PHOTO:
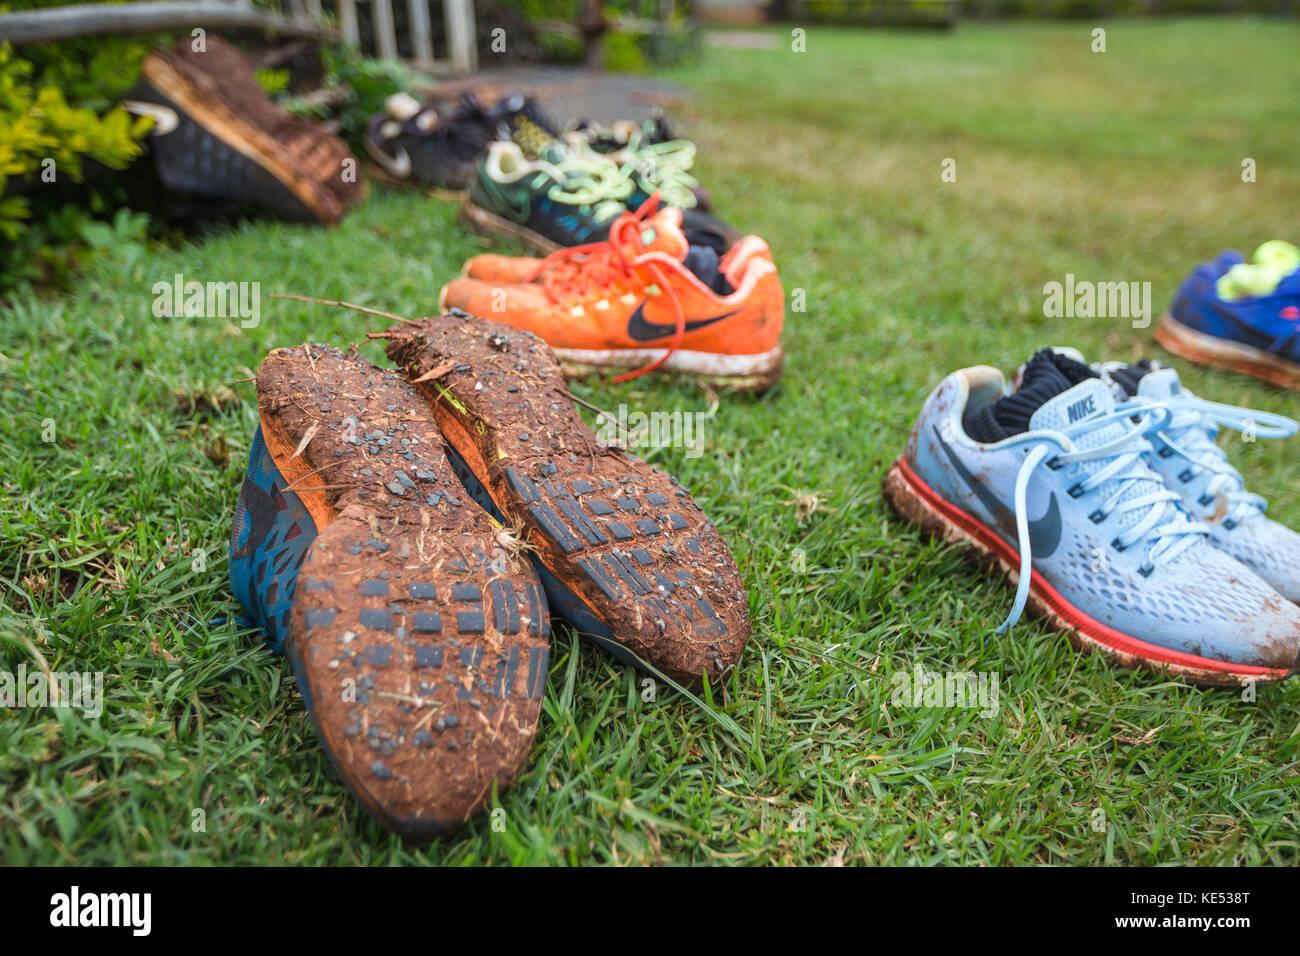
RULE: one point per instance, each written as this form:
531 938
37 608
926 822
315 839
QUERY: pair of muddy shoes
404 534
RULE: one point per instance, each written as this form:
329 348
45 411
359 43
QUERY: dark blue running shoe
271 533
416 628
1241 315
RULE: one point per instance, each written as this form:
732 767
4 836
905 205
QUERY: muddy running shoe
1049 485
217 135
657 160
440 145
732 257
662 168
549 203
1240 315
629 558
612 138
644 300
731 252
417 630
522 121
1186 454
420 145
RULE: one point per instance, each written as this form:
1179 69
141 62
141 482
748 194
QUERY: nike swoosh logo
1044 532
640 330
164 117
399 165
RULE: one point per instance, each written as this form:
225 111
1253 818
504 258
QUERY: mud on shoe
419 641
1049 485
216 134
628 557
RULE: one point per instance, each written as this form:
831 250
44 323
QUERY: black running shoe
216 135
439 145
429 146
521 120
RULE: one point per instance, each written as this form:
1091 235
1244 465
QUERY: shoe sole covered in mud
419 642
627 555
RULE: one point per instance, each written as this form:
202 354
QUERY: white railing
300 18
458 17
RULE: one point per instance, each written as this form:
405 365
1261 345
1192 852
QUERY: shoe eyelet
1098 516
1229 524
1117 546
1165 451
1076 491
1054 463
1185 475
1205 500
1146 570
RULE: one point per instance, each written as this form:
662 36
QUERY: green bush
559 47
43 137
370 83
623 52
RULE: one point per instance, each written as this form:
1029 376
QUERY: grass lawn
1123 165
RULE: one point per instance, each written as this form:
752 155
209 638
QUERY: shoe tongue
662 232
1160 384
1091 399
1088 400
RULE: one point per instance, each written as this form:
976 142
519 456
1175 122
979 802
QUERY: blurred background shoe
1240 315
217 135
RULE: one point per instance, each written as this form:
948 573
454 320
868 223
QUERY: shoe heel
494 228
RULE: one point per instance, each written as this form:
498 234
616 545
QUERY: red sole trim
1091 628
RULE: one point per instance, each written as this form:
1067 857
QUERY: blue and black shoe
417 629
1240 315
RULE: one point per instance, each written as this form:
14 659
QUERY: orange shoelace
599 265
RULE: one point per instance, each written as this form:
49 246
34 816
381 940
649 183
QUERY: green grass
1122 165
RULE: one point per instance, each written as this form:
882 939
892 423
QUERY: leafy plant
46 141
364 83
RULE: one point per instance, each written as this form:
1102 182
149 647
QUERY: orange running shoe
641 301
491 267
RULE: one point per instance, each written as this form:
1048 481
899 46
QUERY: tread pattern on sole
421 643
624 536
1201 348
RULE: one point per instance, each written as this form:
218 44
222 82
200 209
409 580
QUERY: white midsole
682 360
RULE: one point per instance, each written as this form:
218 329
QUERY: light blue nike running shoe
1050 484
1188 457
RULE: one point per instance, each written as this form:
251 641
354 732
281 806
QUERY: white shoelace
1124 472
1191 434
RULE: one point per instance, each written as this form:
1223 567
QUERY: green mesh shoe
555 201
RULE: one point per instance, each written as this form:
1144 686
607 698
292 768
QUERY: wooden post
348 23
421 31
461 42
592 25
385 34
